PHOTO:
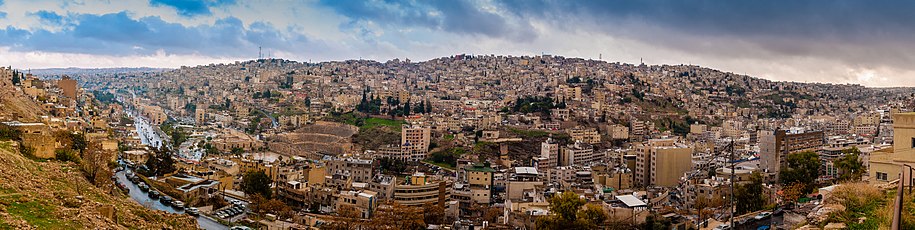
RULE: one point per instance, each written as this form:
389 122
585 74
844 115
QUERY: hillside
46 195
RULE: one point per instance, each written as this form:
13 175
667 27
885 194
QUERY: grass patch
862 202
530 133
4 226
367 123
446 158
7 145
39 215
371 122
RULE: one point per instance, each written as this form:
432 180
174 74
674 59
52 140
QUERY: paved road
756 224
148 135
141 197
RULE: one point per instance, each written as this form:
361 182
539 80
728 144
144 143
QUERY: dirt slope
45 195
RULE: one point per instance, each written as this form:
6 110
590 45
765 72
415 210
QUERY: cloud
191 8
118 34
459 17
859 33
838 41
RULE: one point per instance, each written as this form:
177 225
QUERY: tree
567 213
397 216
793 192
8 133
593 215
850 166
433 214
262 205
750 197
256 183
803 168
95 163
161 163
237 151
704 202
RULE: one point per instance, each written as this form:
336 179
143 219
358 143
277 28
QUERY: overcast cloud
861 42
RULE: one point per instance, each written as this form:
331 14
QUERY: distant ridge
74 70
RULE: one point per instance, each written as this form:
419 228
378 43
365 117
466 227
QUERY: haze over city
856 42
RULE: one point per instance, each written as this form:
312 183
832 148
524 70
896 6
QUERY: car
742 221
166 200
178 204
240 228
153 194
762 215
722 227
221 215
192 211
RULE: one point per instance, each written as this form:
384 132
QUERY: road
149 135
143 199
756 224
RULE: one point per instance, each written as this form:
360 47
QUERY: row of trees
395 106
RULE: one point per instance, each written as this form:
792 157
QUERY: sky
858 42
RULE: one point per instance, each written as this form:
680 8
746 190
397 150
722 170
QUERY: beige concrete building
661 163
419 190
480 179
200 115
618 132
414 140
887 165
68 86
364 202
586 135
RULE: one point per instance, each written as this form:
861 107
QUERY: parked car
178 204
153 194
762 215
192 211
166 200
723 227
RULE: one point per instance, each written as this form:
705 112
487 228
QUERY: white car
762 215
722 227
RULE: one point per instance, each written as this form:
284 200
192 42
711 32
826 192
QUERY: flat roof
526 170
631 201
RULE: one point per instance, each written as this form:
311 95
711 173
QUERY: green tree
850 166
161 163
803 168
256 183
567 213
750 196
79 142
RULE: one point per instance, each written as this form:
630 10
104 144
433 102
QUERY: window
881 176
913 142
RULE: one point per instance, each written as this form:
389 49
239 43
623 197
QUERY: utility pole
731 148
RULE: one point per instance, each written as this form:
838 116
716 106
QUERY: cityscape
116 127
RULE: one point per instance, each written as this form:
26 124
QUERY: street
143 199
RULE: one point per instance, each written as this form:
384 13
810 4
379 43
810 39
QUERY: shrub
66 155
